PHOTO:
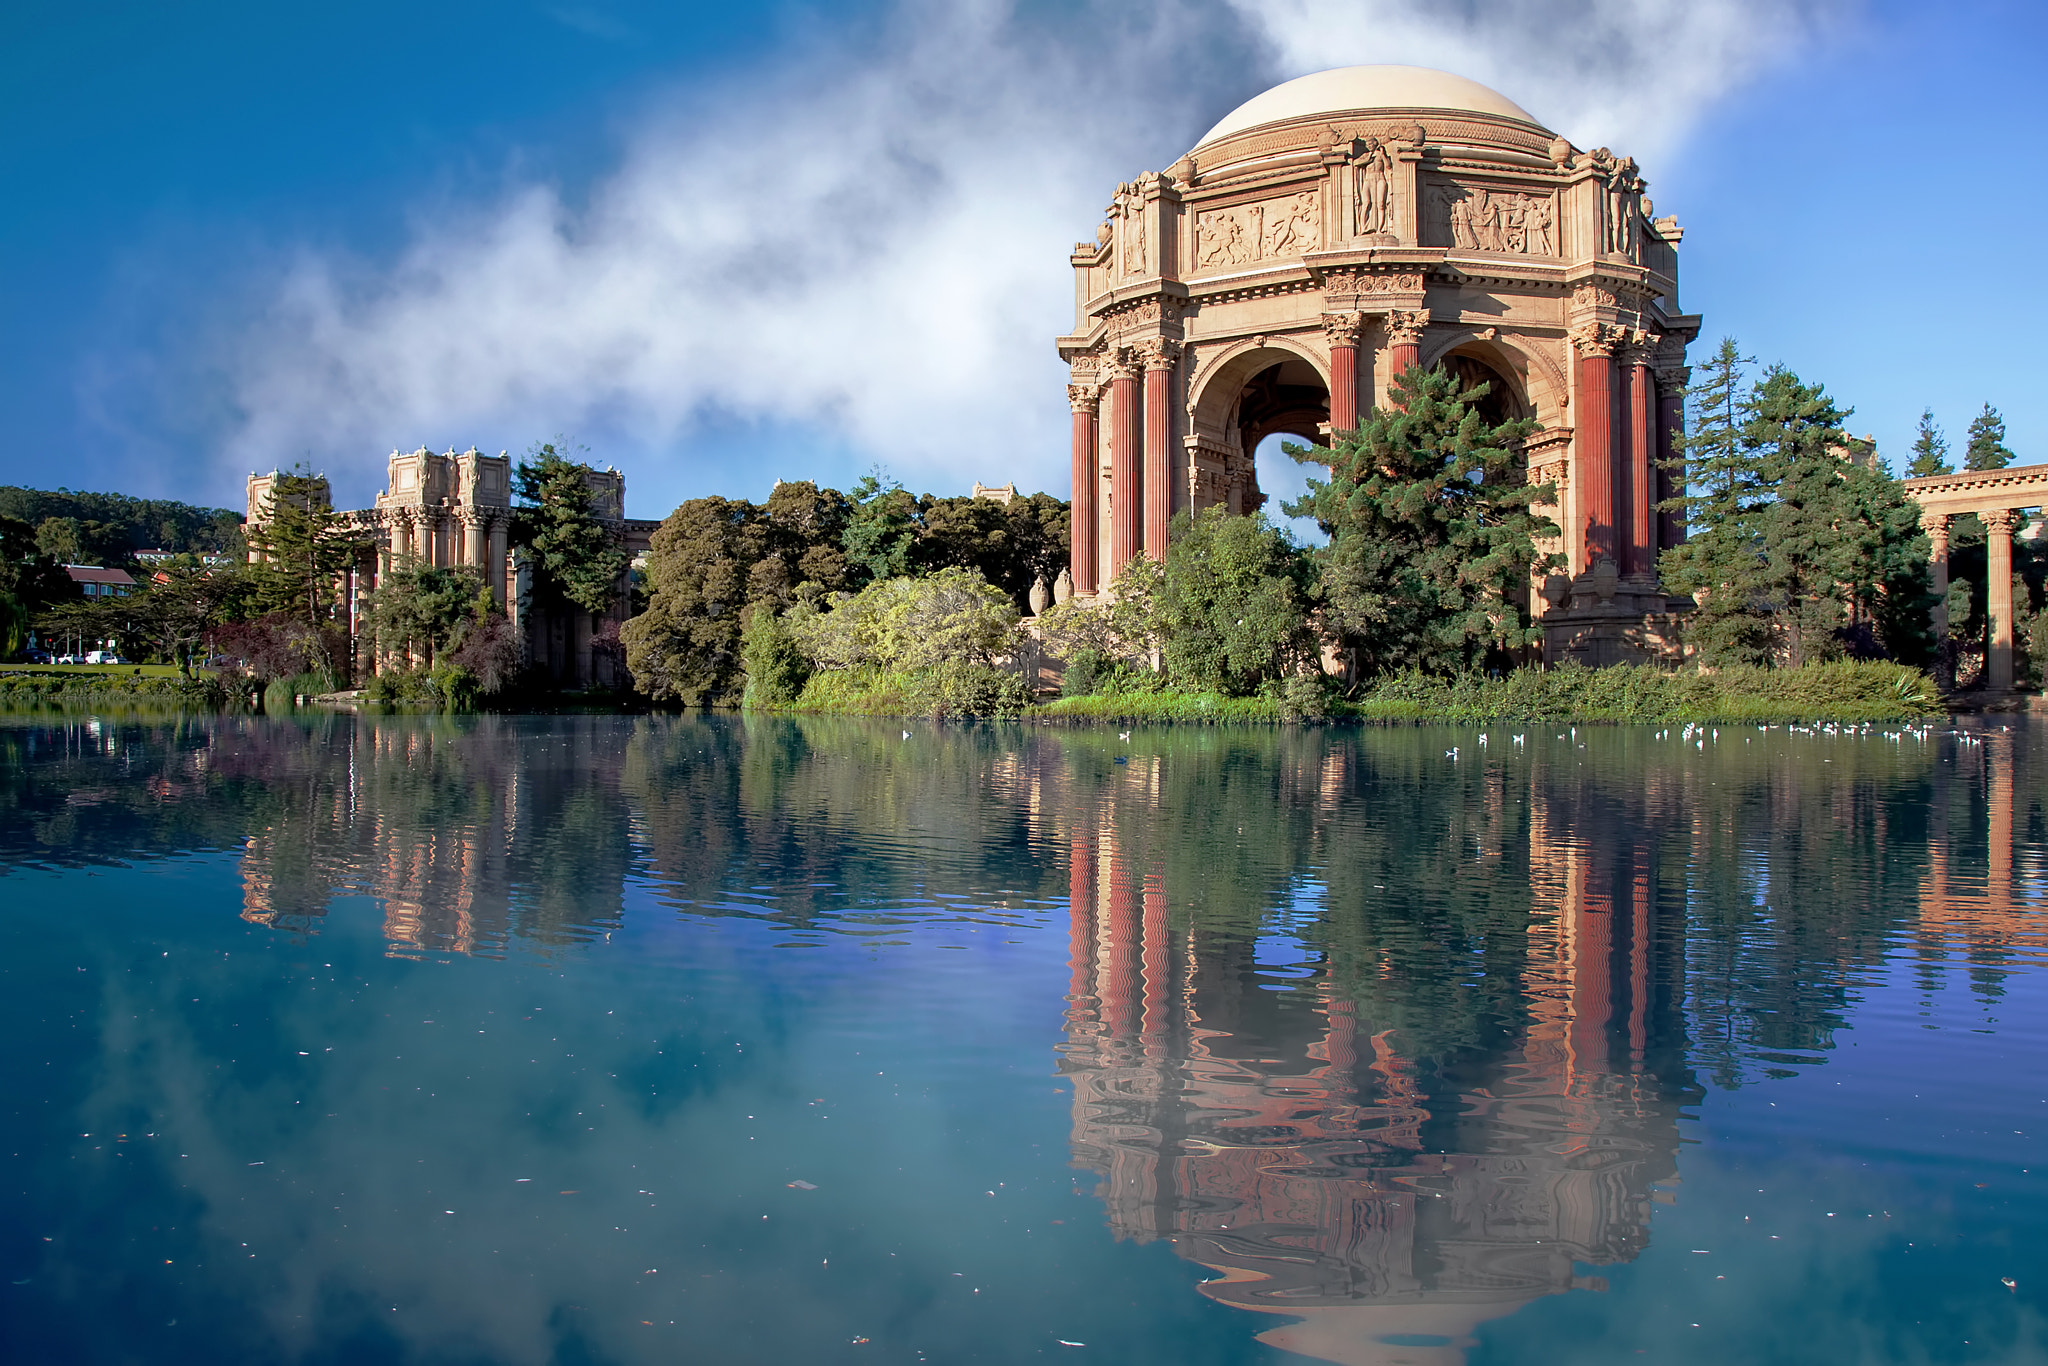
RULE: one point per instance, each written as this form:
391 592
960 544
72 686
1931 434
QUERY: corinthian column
1342 330
1085 398
1671 382
1404 331
1594 406
1998 528
1159 354
472 540
494 567
1126 483
1641 471
1937 555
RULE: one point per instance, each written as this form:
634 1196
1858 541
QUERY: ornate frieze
1513 221
1361 280
1160 310
1248 233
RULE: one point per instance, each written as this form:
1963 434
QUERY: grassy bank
1842 692
99 685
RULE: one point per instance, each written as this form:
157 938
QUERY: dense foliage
575 559
1797 550
109 528
1432 531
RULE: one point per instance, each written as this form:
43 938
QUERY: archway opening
1502 401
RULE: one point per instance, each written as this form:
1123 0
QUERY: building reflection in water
1386 1206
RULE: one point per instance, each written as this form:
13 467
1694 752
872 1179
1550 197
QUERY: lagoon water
706 1040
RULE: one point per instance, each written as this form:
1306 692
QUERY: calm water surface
624 1040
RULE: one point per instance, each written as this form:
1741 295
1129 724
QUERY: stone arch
1245 393
1537 385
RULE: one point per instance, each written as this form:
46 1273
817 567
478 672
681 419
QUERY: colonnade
441 538
1998 498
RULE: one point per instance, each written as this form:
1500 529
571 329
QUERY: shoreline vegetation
1842 692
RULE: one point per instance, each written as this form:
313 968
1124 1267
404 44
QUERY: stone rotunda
1332 232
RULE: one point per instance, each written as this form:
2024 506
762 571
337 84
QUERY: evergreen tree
1811 549
1930 450
1721 562
881 536
1987 449
300 549
1432 536
575 559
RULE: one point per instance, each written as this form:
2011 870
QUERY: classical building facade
456 509
1332 232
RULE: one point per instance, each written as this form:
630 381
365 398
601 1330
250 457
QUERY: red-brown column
1158 446
1118 985
1670 430
1342 330
1642 467
1158 964
1126 484
1404 332
1080 920
1085 530
1595 442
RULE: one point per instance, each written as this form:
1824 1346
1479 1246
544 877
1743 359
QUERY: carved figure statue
1486 220
1372 190
1539 220
1461 221
1134 243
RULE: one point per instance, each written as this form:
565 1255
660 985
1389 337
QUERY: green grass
1195 708
94 670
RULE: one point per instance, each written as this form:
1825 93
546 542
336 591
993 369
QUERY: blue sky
241 235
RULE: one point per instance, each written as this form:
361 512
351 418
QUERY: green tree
686 646
881 535
114 526
183 599
1721 563
30 581
424 611
1930 450
1987 449
1432 530
951 617
575 558
300 549
1234 604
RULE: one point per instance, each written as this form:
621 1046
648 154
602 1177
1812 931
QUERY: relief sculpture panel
1266 231
1483 218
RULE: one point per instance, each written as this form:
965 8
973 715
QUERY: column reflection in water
1386 1204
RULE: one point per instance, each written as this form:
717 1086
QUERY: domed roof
1350 89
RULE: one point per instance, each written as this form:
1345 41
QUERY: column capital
1342 329
1672 378
1085 397
1639 349
2004 521
1597 339
1125 364
1157 353
1404 326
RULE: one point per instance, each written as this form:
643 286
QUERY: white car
104 657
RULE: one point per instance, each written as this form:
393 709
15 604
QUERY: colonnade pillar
1671 382
1085 399
494 564
1342 329
1594 418
472 541
1998 527
1159 354
1404 335
1126 487
1937 545
1641 465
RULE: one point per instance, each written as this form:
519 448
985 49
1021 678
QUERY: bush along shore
91 687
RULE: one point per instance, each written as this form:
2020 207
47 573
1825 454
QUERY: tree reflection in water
1393 1044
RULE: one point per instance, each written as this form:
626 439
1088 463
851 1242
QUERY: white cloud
872 245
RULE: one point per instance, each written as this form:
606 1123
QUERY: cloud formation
871 245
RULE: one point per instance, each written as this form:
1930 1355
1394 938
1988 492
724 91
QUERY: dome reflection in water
727 1039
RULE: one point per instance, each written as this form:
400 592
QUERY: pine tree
1432 533
576 561
1930 450
1987 449
301 546
1722 563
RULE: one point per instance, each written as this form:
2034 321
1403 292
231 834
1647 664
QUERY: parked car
69 659
104 657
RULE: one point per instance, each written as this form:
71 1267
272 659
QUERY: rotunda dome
1358 89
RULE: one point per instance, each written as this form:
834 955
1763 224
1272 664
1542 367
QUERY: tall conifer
1930 450
1987 449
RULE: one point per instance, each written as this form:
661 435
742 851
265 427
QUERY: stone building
456 509
1337 229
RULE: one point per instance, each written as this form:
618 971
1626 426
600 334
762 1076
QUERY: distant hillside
107 528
